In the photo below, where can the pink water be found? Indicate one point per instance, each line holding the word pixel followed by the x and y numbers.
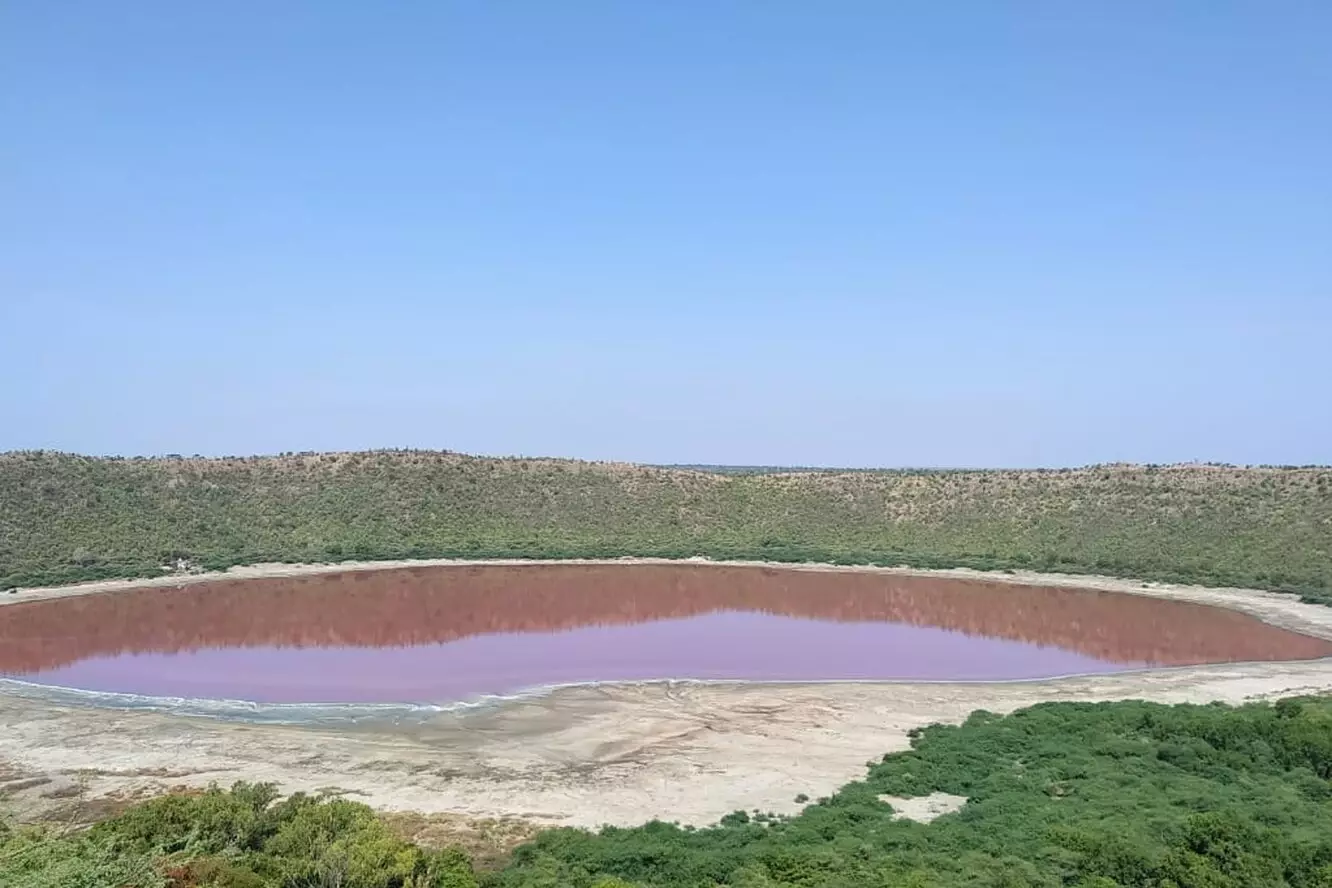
pixel 749 646
pixel 450 634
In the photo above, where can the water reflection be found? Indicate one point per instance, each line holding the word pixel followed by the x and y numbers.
pixel 432 633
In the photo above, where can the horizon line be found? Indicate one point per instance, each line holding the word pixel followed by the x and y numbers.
pixel 707 468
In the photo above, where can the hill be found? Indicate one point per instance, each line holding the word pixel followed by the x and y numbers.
pixel 66 517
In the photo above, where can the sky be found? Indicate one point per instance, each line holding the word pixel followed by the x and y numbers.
pixel 846 234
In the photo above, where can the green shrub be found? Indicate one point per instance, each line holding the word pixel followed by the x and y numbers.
pixel 34 859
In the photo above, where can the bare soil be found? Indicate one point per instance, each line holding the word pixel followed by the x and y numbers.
pixel 924 808
pixel 589 755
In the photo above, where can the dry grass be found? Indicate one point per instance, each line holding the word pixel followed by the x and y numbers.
pixel 488 842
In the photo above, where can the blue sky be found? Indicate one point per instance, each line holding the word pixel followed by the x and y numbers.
pixel 855 233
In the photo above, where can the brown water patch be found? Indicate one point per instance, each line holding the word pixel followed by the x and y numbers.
pixel 518 623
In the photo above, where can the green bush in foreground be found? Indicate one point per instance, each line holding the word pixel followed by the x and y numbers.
pixel 29 859
pixel 1062 794
pixel 237 838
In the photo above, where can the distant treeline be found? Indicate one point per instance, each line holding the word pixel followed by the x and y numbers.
pixel 1061 795
pixel 67 518
pixel 774 470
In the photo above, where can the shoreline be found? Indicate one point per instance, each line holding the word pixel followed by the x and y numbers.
pixel 579 756
pixel 587 755
pixel 335 715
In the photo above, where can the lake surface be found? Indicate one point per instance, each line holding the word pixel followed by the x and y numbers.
pixel 447 634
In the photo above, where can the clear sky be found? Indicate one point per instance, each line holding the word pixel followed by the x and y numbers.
pixel 848 233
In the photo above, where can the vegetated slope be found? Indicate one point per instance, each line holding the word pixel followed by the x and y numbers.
pixel 1061 794
pixel 65 517
pixel 1089 795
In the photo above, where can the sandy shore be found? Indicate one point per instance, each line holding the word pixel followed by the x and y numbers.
pixel 592 755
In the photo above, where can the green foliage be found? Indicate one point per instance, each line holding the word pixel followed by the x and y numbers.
pixel 65 518
pixel 451 869
pixel 32 859
pixel 1090 795
pixel 340 843
pixel 213 822
pixel 1111 795
pixel 237 838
